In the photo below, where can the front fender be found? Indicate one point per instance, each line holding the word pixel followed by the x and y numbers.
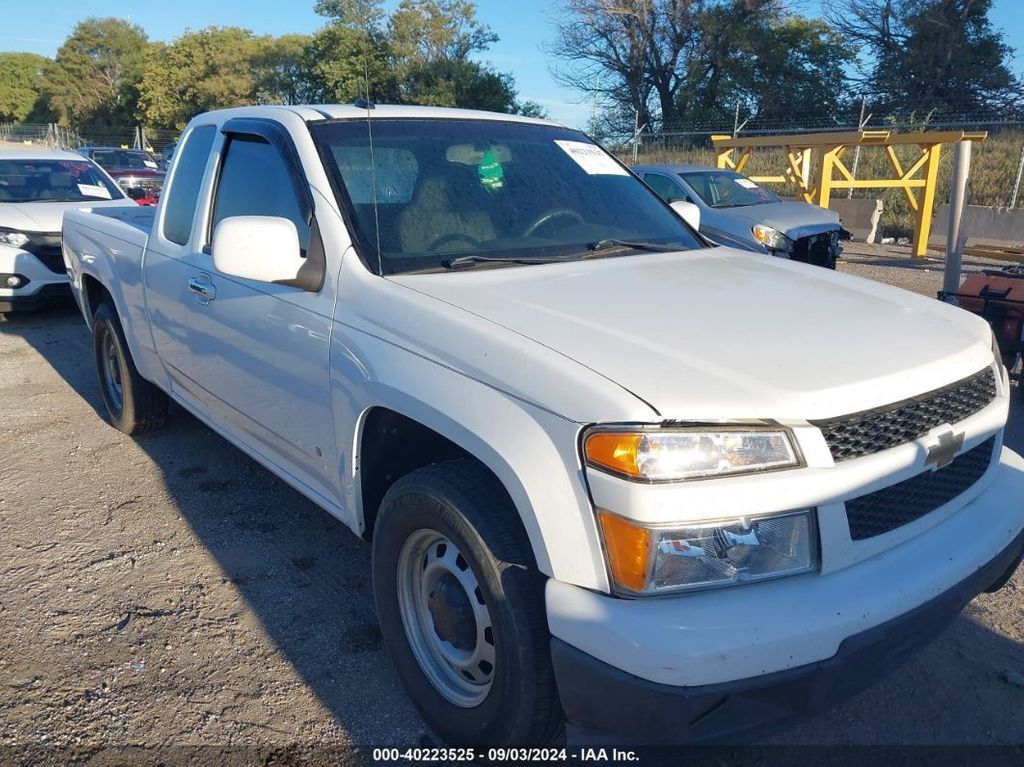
pixel 531 451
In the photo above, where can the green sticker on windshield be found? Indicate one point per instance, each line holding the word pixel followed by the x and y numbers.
pixel 492 174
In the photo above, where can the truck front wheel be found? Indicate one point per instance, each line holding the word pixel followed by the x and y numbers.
pixel 133 404
pixel 461 607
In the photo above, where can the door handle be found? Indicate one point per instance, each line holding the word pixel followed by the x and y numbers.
pixel 202 289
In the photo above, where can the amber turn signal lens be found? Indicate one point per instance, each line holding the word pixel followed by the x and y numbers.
pixel 629 551
pixel 614 451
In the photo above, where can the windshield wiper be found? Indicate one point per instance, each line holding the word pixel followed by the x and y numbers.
pixel 613 243
pixel 464 261
pixel 594 248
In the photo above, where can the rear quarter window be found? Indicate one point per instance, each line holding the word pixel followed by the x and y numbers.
pixel 181 200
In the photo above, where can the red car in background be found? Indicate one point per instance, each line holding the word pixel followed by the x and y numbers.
pixel 135 171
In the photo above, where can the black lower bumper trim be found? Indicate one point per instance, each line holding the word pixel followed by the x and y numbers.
pixel 57 292
pixel 603 703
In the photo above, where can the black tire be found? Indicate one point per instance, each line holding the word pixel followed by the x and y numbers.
pixel 462 501
pixel 141 406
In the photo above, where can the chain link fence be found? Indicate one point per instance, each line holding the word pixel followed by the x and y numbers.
pixel 56 136
pixel 997 164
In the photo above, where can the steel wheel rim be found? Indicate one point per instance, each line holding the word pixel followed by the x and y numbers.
pixel 431 571
pixel 111 366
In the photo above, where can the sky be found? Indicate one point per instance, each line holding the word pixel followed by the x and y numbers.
pixel 524 28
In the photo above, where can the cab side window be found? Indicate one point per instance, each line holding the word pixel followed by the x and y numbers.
pixel 180 205
pixel 254 181
pixel 666 188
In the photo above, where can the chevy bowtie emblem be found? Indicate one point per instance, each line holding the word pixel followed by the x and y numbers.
pixel 948 446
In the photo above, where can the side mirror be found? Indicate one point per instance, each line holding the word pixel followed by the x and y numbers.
pixel 263 248
pixel 687 211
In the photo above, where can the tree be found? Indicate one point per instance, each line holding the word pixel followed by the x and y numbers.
pixel 282 71
pixel 670 63
pixel 460 84
pixel 774 68
pixel 351 56
pixel 432 42
pixel 425 32
pixel 22 84
pixel 605 44
pixel 208 69
pixel 366 15
pixel 97 73
pixel 422 53
pixel 925 55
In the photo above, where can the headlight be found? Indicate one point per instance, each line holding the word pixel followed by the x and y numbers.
pixel 12 238
pixel 667 454
pixel 658 560
pixel 772 238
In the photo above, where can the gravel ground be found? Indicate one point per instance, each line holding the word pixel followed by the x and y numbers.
pixel 167 592
pixel 893 264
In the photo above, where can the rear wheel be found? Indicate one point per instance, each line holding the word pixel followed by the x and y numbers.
pixel 133 404
pixel 461 607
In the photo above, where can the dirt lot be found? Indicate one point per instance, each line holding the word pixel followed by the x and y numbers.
pixel 168 591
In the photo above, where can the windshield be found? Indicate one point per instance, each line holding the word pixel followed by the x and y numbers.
pixel 727 189
pixel 54 181
pixel 498 190
pixel 122 158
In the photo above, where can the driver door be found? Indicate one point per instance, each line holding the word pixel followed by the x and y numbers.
pixel 260 351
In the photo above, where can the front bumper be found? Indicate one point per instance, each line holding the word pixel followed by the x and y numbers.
pixel 718 644
pixel 602 702
pixel 46 295
pixel 47 279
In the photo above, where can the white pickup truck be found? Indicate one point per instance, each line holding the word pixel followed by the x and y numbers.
pixel 615 478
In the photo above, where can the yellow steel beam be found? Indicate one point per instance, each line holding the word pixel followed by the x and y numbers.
pixel 882 183
pixel 744 156
pixel 816 183
pixel 828 160
pixel 802 139
pixel 927 201
pixel 849 138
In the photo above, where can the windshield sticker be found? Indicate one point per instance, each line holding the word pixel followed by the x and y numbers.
pixel 150 164
pixel 94 190
pixel 491 172
pixel 746 183
pixel 594 160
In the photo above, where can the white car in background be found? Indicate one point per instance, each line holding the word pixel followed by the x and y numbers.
pixel 36 186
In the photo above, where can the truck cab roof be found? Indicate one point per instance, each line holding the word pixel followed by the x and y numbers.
pixel 317 112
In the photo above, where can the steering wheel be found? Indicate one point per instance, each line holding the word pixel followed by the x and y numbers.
pixel 444 239
pixel 550 215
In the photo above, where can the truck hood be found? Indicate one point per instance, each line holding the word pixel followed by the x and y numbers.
pixel 719 333
pixel 47 216
pixel 794 219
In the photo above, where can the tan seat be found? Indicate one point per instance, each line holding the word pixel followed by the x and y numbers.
pixel 61 185
pixel 435 220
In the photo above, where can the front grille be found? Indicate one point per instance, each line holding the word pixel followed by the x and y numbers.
pixel 46 247
pixel 52 259
pixel 875 430
pixel 902 503
pixel 817 249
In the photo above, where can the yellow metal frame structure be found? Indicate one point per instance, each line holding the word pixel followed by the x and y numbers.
pixel 816 174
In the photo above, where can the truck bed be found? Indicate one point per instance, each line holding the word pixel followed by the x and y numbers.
pixel 108 243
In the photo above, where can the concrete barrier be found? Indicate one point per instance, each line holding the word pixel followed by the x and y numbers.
pixel 982 226
pixel 860 217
